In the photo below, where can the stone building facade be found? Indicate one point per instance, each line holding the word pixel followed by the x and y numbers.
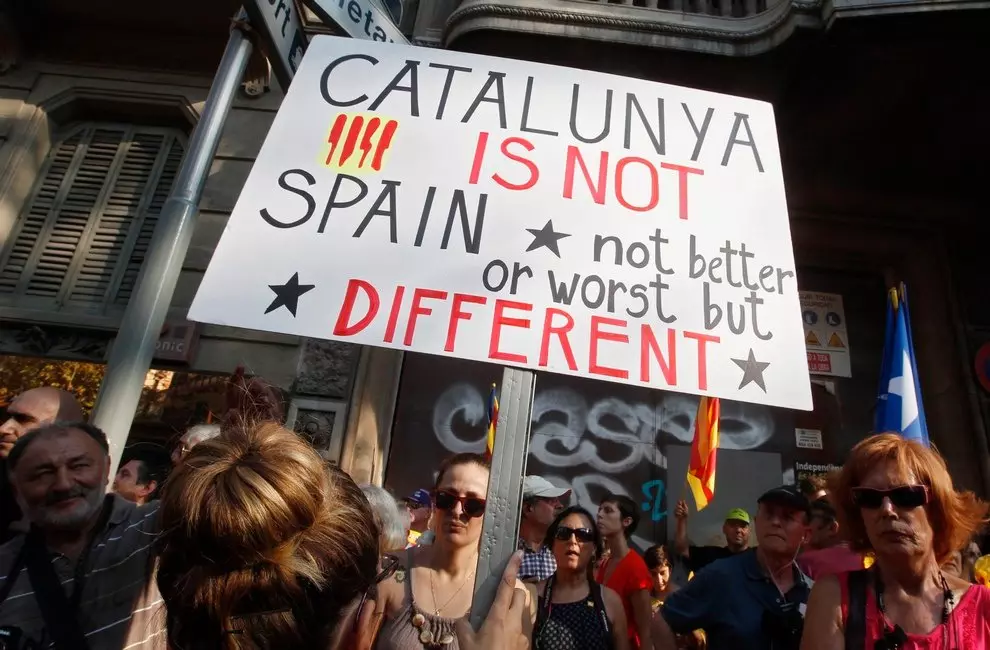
pixel 881 132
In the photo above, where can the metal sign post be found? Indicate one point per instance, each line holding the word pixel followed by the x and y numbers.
pixel 134 346
pixel 501 527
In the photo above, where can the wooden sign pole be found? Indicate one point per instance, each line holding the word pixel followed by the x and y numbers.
pixel 501 528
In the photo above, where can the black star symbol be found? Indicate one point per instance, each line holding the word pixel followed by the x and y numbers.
pixel 752 370
pixel 546 237
pixel 287 295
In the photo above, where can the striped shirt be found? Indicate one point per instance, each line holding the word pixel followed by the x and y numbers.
pixel 119 607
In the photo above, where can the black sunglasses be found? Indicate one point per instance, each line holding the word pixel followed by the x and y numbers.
pixel 583 535
pixel 905 497
pixel 389 564
pixel 472 506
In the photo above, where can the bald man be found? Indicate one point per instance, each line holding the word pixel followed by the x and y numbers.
pixel 34 408
pixel 28 411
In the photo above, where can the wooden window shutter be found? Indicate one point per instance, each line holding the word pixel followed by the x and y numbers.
pixel 79 244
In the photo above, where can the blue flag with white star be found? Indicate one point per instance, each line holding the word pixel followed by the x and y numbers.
pixel 899 406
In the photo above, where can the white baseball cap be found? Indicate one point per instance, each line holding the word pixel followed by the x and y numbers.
pixel 539 487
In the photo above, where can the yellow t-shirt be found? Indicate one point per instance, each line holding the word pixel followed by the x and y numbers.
pixel 413 537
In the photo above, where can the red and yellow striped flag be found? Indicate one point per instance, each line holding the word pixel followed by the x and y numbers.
pixel 701 469
pixel 492 422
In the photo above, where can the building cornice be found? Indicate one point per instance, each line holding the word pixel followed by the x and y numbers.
pixel 635 25
pixel 660 28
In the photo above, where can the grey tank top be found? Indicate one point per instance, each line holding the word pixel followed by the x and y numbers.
pixel 413 629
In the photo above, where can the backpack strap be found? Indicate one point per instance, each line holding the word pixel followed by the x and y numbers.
pixel 57 611
pixel 542 611
pixel 13 575
pixel 855 632
pixel 598 595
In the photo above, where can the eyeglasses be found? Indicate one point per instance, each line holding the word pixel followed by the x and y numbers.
pixel 583 535
pixel 905 497
pixel 472 506
pixel 389 564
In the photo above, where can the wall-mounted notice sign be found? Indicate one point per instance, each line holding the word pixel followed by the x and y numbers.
pixel 520 214
pixel 825 334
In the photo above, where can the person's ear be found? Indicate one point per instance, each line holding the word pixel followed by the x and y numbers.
pixel 626 522
pixel 834 527
pixel 148 488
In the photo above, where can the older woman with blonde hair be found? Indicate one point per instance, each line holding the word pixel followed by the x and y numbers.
pixel 894 498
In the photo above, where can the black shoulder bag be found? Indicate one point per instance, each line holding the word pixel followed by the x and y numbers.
pixel 855 632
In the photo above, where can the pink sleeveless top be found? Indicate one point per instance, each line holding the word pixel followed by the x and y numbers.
pixel 969 622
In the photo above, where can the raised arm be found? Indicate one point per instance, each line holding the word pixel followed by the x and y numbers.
pixel 681 545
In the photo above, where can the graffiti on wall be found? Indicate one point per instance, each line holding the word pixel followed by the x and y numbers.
pixel 591 437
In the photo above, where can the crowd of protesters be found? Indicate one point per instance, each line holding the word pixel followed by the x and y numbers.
pixel 246 538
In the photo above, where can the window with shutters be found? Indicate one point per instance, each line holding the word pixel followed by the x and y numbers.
pixel 79 244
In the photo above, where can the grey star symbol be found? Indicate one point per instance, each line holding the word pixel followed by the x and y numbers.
pixel 752 370
pixel 546 237
pixel 287 295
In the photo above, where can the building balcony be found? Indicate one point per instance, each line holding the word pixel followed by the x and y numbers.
pixel 728 27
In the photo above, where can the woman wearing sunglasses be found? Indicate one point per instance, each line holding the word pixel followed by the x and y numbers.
pixel 895 499
pixel 422 601
pixel 573 611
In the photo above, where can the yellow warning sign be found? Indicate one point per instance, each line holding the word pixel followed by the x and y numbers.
pixel 811 339
pixel 835 342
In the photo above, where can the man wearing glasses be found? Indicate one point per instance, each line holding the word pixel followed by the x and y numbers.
pixel 542 500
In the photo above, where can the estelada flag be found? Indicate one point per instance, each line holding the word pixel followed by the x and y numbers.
pixel 492 422
pixel 704 447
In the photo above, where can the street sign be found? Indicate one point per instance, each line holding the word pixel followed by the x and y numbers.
pixel 361 19
pixel 285 40
pixel 520 214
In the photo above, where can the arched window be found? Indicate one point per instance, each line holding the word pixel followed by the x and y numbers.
pixel 80 241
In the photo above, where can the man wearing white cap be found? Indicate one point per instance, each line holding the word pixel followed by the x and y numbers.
pixel 542 500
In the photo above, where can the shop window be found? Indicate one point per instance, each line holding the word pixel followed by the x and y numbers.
pixel 79 244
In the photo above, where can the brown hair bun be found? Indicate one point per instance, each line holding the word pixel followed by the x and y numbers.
pixel 263 543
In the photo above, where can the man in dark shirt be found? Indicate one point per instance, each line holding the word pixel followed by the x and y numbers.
pixel 754 600
pixel 735 529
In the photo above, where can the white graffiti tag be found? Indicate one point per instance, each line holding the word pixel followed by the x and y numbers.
pixel 460 401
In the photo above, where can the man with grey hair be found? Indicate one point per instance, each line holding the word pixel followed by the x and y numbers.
pixel 391 521
pixel 29 410
pixel 80 576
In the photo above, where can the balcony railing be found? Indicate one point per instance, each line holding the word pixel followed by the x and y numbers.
pixel 725 8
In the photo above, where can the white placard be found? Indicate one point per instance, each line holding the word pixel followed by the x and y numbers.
pixel 825 334
pixel 484 208
pixel 808 438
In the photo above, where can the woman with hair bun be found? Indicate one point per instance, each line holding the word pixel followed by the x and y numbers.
pixel 264 546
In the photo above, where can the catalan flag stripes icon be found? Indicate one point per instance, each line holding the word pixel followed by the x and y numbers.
pixel 354 140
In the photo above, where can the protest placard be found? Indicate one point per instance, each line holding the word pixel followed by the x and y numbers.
pixel 521 214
